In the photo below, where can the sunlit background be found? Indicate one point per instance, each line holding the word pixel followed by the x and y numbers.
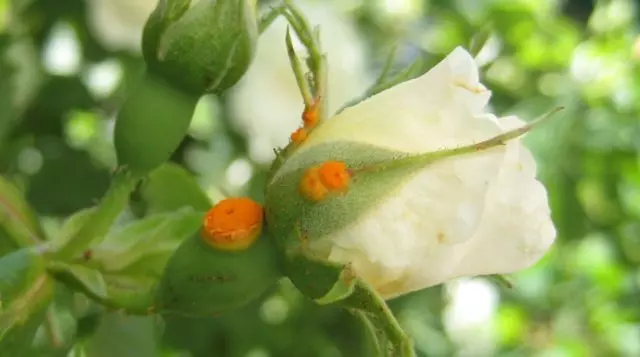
pixel 67 65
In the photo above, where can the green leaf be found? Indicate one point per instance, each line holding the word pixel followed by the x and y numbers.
pixel 159 234
pixel 72 225
pixel 25 293
pixel 123 270
pixel 171 187
pixel 21 77
pixel 17 219
pixel 99 222
pixel 133 293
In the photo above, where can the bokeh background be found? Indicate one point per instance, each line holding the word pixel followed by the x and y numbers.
pixel 67 65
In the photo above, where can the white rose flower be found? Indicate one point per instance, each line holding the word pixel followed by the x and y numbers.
pixel 473 214
pixel 266 103
pixel 118 24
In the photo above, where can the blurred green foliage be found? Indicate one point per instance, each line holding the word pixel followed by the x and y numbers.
pixel 583 299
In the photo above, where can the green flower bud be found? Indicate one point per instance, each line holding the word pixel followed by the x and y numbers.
pixel 410 188
pixel 204 47
pixel 229 263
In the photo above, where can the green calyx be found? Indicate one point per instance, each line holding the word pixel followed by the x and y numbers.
pixel 205 47
pixel 295 220
pixel 200 280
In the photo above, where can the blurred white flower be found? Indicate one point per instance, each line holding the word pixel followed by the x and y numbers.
pixel 118 24
pixel 267 104
pixel 468 318
pixel 474 214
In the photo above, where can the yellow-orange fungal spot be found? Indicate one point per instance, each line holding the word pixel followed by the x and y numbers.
pixel 310 114
pixel 334 175
pixel 299 136
pixel 233 224
pixel 311 186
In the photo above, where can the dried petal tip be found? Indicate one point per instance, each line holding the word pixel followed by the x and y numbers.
pixel 328 177
pixel 233 224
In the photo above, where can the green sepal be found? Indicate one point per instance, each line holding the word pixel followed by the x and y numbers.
pixel 165 13
pixel 123 271
pixel 289 212
pixel 322 281
pixel 25 293
pixel 205 48
pixel 200 280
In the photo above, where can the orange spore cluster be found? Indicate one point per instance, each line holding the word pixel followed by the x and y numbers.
pixel 310 118
pixel 311 186
pixel 327 178
pixel 233 224
pixel 299 136
pixel 310 114
pixel 334 175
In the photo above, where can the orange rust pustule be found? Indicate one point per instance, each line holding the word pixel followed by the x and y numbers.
pixel 334 175
pixel 311 186
pixel 310 115
pixel 324 179
pixel 233 224
pixel 299 136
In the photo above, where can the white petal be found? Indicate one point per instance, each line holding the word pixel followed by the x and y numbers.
pixel 425 114
pixel 516 230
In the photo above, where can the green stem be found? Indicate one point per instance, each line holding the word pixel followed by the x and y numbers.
pixel 101 220
pixel 267 19
pixel 365 299
pixel 372 333
pixel 298 72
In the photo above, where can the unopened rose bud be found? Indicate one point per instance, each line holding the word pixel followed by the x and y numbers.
pixel 225 265
pixel 412 187
pixel 203 46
